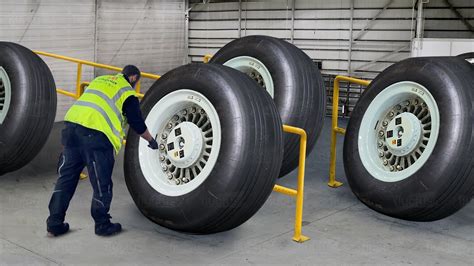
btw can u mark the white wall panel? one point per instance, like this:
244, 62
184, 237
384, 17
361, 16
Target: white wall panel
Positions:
63, 27
149, 34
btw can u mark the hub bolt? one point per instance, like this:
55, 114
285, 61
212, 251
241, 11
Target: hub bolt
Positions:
385, 162
391, 114
381, 133
170, 125
193, 110
380, 144
185, 180
178, 182
162, 157
381, 154
164, 136
392, 168
164, 167
399, 168
170, 176
384, 123
162, 146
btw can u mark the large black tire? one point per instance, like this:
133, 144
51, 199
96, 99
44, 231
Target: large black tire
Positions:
468, 57
299, 92
32, 110
445, 182
247, 165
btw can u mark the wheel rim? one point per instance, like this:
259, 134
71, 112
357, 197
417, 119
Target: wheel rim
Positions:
398, 131
255, 69
5, 94
189, 136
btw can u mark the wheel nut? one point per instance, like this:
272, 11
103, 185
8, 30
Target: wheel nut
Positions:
170, 176
381, 133
380, 144
416, 101
423, 104
384, 123
193, 110
399, 168
184, 179
202, 111
398, 107
391, 114
175, 118
164, 136
184, 112
170, 125
162, 157
392, 168
407, 103
178, 182
385, 162
381, 154
164, 167
162, 146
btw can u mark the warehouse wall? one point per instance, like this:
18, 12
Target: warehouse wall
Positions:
323, 30
149, 34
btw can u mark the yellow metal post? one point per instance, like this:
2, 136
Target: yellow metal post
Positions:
78, 80
207, 58
334, 127
297, 236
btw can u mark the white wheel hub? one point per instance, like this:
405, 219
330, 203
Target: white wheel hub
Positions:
255, 69
184, 144
189, 136
5, 94
398, 131
403, 134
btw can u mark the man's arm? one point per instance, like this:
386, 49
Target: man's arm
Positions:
131, 109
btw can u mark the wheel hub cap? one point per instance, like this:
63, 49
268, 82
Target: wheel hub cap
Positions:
185, 144
403, 134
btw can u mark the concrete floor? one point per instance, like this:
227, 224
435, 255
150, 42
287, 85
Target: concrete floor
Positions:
342, 230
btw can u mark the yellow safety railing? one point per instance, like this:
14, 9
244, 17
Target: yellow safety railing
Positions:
335, 129
81, 85
299, 192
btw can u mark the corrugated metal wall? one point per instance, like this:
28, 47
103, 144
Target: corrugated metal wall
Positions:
149, 34
381, 30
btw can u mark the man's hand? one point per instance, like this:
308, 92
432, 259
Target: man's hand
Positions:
152, 144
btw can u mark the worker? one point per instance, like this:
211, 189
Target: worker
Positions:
94, 128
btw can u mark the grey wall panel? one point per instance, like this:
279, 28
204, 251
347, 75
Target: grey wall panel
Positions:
147, 33
56, 26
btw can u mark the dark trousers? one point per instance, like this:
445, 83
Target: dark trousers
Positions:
83, 147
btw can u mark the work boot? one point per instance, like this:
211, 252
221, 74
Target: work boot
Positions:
57, 230
107, 229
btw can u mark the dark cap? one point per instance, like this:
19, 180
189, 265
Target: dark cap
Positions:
130, 70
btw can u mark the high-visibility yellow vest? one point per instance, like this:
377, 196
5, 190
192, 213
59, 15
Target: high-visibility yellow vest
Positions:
100, 107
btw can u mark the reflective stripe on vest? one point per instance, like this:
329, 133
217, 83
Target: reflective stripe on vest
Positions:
103, 113
100, 107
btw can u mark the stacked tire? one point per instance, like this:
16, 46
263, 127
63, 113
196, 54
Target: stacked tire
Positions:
27, 105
